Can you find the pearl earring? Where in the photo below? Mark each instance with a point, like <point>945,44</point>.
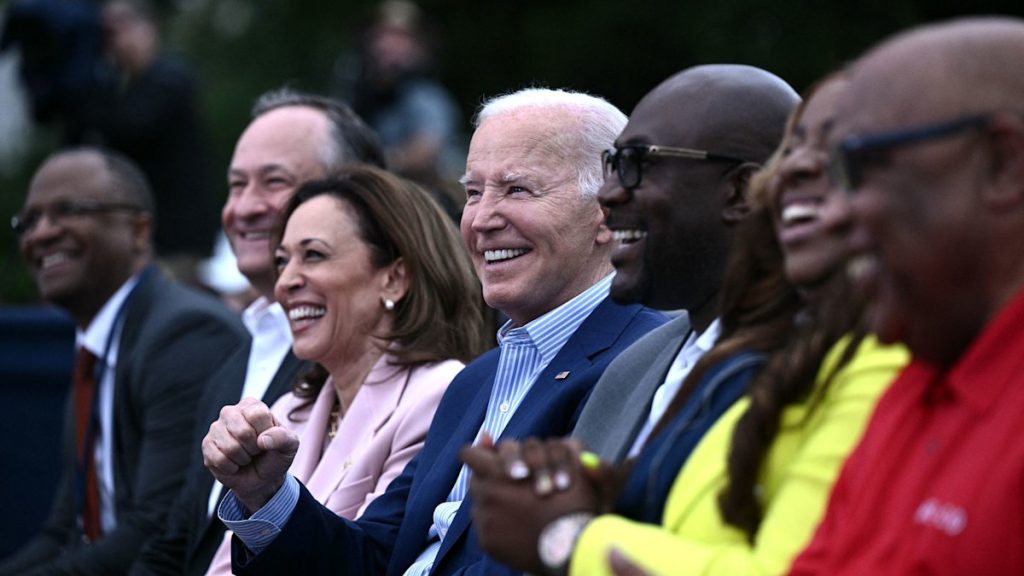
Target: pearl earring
<point>389,304</point>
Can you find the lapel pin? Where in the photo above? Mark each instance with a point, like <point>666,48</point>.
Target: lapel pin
<point>562,375</point>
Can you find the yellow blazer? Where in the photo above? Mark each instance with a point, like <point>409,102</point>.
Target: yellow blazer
<point>796,479</point>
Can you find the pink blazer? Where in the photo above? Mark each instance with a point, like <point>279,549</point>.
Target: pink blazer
<point>384,428</point>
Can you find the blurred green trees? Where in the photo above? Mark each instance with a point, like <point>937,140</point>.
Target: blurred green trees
<point>609,47</point>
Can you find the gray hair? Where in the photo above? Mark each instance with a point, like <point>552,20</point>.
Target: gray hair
<point>599,124</point>
<point>351,139</point>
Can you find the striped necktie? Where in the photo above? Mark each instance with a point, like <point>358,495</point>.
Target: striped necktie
<point>85,394</point>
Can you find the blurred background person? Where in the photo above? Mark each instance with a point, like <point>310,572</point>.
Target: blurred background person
<point>98,71</point>
<point>381,294</point>
<point>390,83</point>
<point>59,43</point>
<point>146,106</point>
<point>145,349</point>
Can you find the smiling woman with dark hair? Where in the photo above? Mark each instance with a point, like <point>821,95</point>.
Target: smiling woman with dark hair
<point>380,293</point>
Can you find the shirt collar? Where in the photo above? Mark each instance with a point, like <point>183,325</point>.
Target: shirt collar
<point>97,334</point>
<point>706,340</point>
<point>266,316</point>
<point>552,330</point>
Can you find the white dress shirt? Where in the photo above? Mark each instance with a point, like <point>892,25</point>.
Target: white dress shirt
<point>97,338</point>
<point>694,347</point>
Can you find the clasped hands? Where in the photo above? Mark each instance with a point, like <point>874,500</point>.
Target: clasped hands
<point>249,452</point>
<point>517,488</point>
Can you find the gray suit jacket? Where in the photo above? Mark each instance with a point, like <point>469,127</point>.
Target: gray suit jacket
<point>173,339</point>
<point>621,400</point>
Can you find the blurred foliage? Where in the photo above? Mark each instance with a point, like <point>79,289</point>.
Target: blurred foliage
<point>620,50</point>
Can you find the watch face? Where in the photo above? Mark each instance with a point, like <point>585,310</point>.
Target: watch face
<point>558,539</point>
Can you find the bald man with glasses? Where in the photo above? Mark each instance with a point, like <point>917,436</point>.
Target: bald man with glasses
<point>929,144</point>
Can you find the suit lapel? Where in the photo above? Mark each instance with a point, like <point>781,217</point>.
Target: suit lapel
<point>138,306</point>
<point>637,405</point>
<point>229,388</point>
<point>373,406</point>
<point>445,467</point>
<point>437,469</point>
<point>285,377</point>
<point>597,333</point>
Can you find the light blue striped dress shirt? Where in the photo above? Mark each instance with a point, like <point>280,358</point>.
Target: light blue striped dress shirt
<point>525,352</point>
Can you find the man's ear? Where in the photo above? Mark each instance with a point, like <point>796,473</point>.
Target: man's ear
<point>735,205</point>
<point>1006,145</point>
<point>142,233</point>
<point>604,234</point>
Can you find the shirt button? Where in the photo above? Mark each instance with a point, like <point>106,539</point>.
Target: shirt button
<point>504,407</point>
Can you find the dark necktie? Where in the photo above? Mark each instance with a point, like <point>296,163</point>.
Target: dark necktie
<point>85,394</point>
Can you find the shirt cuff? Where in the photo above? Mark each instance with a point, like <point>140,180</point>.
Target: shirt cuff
<point>260,529</point>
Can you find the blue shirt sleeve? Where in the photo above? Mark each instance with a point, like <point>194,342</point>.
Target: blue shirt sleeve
<point>260,529</point>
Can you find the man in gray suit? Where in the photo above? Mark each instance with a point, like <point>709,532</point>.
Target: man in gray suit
<point>293,137</point>
<point>675,187</point>
<point>146,347</point>
<point>675,213</point>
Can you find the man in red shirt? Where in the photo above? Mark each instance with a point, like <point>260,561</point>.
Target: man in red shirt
<point>930,145</point>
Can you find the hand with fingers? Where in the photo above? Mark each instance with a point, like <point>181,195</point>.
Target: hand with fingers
<point>249,452</point>
<point>518,488</point>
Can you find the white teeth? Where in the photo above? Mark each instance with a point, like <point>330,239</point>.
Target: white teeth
<point>304,312</point>
<point>498,255</point>
<point>254,235</point>
<point>799,212</point>
<point>628,236</point>
<point>54,259</point>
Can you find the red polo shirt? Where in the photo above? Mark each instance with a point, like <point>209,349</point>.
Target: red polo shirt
<point>936,485</point>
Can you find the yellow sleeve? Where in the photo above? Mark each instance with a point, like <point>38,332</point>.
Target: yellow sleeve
<point>799,472</point>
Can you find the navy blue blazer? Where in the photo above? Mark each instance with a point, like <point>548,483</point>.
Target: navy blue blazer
<point>655,469</point>
<point>393,531</point>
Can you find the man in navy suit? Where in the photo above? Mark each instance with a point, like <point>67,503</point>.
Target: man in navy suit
<point>536,234</point>
<point>146,347</point>
<point>293,137</point>
<point>676,207</point>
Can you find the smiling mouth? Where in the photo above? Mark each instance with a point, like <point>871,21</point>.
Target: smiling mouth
<point>799,214</point>
<point>628,236</point>
<point>491,256</point>
<point>306,313</point>
<point>51,260</point>
<point>254,236</point>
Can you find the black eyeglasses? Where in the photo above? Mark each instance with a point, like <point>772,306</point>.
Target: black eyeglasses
<point>628,161</point>
<point>850,155</point>
<point>25,222</point>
